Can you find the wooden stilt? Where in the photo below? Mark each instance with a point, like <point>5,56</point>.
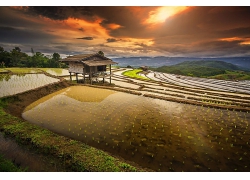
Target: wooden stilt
<point>77,77</point>
<point>90,75</point>
<point>110,73</point>
<point>70,76</point>
<point>84,75</point>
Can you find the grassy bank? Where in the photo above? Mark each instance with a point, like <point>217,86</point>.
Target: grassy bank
<point>75,155</point>
<point>134,74</point>
<point>8,166</point>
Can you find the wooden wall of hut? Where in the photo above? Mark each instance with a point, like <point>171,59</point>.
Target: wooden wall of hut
<point>76,67</point>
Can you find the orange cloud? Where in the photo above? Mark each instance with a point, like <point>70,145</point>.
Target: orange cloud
<point>162,13</point>
<point>244,41</point>
<point>67,31</point>
<point>113,26</point>
<point>131,42</point>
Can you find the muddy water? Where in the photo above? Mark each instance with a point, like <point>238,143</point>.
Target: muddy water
<point>161,135</point>
<point>13,84</point>
<point>28,160</point>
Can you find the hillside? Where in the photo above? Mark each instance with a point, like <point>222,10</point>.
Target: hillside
<point>155,62</point>
<point>206,69</point>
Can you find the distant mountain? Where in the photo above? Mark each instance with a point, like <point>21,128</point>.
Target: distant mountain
<point>158,61</point>
<point>208,63</point>
<point>204,68</point>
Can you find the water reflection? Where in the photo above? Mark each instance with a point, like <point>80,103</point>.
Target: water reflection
<point>13,84</point>
<point>161,135</point>
<point>56,71</point>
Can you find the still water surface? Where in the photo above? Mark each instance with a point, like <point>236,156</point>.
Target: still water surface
<point>161,135</point>
<point>56,71</point>
<point>13,84</point>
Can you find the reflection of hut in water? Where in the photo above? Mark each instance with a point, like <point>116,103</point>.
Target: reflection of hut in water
<point>91,66</point>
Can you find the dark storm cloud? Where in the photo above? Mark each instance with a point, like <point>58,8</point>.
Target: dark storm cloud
<point>86,38</point>
<point>110,40</point>
<point>198,30</point>
<point>195,31</point>
<point>81,29</point>
<point>232,46</point>
<point>129,18</point>
<point>223,48</point>
<point>50,30</point>
<point>207,48</point>
<point>105,23</point>
<point>24,36</point>
<point>10,17</point>
<point>6,28</point>
<point>239,32</point>
<point>60,12</point>
<point>140,44</point>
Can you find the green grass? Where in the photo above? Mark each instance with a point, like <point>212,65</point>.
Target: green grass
<point>8,166</point>
<point>115,66</point>
<point>3,70</point>
<point>233,75</point>
<point>134,74</point>
<point>79,156</point>
<point>207,69</point>
<point>23,70</point>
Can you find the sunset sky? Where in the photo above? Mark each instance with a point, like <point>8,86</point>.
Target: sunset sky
<point>119,31</point>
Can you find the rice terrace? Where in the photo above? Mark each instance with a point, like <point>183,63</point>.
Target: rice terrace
<point>155,120</point>
<point>97,112</point>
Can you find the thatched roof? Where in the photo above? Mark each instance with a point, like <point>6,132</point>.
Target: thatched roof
<point>98,63</point>
<point>83,57</point>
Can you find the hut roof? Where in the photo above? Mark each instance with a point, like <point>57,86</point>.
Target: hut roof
<point>98,63</point>
<point>83,57</point>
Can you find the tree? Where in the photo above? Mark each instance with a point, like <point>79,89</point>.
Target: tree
<point>101,53</point>
<point>56,56</point>
<point>4,57</point>
<point>18,49</point>
<point>15,56</point>
<point>32,51</point>
<point>54,62</point>
<point>1,49</point>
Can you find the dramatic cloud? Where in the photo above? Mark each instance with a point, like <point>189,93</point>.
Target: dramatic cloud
<point>109,40</point>
<point>86,38</point>
<point>127,30</point>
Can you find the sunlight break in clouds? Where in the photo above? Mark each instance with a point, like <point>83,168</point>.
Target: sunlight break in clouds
<point>244,41</point>
<point>162,13</point>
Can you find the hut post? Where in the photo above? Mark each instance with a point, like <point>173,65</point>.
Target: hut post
<point>84,75</point>
<point>110,73</point>
<point>90,75</point>
<point>70,76</point>
<point>77,77</point>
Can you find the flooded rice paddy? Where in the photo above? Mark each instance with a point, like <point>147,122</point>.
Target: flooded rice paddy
<point>56,71</point>
<point>157,134</point>
<point>13,84</point>
<point>23,70</point>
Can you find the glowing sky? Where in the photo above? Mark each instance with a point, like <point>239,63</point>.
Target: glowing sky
<point>200,31</point>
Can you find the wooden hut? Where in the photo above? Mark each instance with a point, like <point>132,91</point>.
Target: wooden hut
<point>92,66</point>
<point>144,68</point>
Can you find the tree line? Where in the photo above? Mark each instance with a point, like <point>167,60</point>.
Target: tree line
<point>17,58</point>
